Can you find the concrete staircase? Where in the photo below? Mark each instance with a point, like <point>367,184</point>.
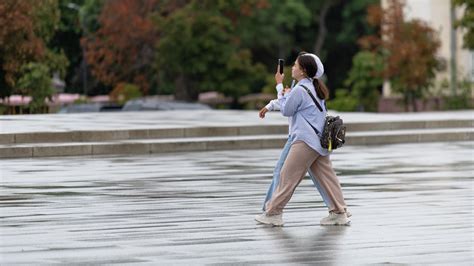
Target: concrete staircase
<point>203,138</point>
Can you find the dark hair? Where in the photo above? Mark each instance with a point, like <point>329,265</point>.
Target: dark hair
<point>309,67</point>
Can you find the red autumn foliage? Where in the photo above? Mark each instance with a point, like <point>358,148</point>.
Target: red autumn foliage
<point>19,43</point>
<point>409,48</point>
<point>122,49</point>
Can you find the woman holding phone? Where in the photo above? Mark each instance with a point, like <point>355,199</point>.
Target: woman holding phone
<point>305,152</point>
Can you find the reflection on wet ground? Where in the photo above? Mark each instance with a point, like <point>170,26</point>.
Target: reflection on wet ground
<point>410,204</point>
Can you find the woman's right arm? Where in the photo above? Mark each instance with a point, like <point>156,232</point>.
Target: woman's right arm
<point>290,102</point>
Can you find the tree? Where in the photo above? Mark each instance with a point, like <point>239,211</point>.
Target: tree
<point>199,51</point>
<point>67,38</point>
<point>408,48</point>
<point>269,32</point>
<point>24,38</point>
<point>345,22</point>
<point>365,79</point>
<point>467,21</point>
<point>36,82</point>
<point>322,28</point>
<point>122,48</point>
<point>19,42</point>
<point>124,92</point>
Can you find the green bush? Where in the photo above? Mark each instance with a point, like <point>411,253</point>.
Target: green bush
<point>365,80</point>
<point>36,82</point>
<point>3,109</point>
<point>344,102</point>
<point>124,92</point>
<point>463,99</point>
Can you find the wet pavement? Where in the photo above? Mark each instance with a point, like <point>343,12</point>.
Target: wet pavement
<point>411,204</point>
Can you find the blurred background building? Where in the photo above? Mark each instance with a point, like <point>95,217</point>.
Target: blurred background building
<point>456,61</point>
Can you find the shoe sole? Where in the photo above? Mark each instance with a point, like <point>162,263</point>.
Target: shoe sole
<point>275,225</point>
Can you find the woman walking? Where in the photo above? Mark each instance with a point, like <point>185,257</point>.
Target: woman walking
<point>274,105</point>
<point>305,152</point>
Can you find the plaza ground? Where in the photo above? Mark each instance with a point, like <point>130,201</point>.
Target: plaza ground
<point>411,203</point>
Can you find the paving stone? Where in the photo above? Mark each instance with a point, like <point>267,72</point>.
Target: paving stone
<point>62,150</point>
<point>39,137</point>
<point>16,152</point>
<point>7,138</point>
<point>211,131</point>
<point>177,146</point>
<point>120,148</point>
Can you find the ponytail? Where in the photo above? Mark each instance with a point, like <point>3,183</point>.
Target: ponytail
<point>321,89</point>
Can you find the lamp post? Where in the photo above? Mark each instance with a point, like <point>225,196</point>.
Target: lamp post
<point>453,46</point>
<point>84,61</point>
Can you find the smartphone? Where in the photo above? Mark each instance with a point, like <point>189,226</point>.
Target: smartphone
<point>280,65</point>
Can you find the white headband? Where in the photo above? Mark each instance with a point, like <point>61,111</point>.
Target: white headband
<point>319,64</point>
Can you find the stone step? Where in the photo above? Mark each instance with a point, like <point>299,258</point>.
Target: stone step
<point>210,131</point>
<point>144,146</point>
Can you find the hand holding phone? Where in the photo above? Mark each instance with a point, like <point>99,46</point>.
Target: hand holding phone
<point>280,65</point>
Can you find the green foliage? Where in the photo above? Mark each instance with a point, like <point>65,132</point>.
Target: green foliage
<point>57,62</point>
<point>124,92</point>
<point>67,41</point>
<point>467,22</point>
<point>463,99</point>
<point>346,23</point>
<point>198,52</point>
<point>25,40</point>
<point>89,13</point>
<point>3,109</point>
<point>354,21</point>
<point>270,32</point>
<point>365,79</point>
<point>409,51</point>
<point>46,18</point>
<point>270,81</point>
<point>82,99</point>
<point>36,82</point>
<point>343,102</point>
<point>229,46</point>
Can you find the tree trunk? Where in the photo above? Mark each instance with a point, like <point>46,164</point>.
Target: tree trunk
<point>406,101</point>
<point>413,102</point>
<point>184,89</point>
<point>322,31</point>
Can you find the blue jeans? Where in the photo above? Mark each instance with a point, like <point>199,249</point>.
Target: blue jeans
<point>276,176</point>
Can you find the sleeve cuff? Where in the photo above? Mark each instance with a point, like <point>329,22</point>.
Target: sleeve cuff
<point>269,106</point>
<point>279,88</point>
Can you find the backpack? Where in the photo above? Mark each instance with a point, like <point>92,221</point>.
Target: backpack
<point>334,132</point>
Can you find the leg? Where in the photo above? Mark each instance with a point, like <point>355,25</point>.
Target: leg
<point>322,167</point>
<point>276,172</point>
<point>300,157</point>
<point>319,188</point>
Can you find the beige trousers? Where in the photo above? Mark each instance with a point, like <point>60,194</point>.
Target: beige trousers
<point>302,158</point>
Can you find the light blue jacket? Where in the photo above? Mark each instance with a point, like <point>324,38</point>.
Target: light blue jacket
<point>300,108</point>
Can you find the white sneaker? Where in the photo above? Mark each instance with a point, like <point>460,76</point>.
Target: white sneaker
<point>275,220</point>
<point>336,219</point>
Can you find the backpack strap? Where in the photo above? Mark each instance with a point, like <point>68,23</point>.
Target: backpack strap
<point>312,97</point>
